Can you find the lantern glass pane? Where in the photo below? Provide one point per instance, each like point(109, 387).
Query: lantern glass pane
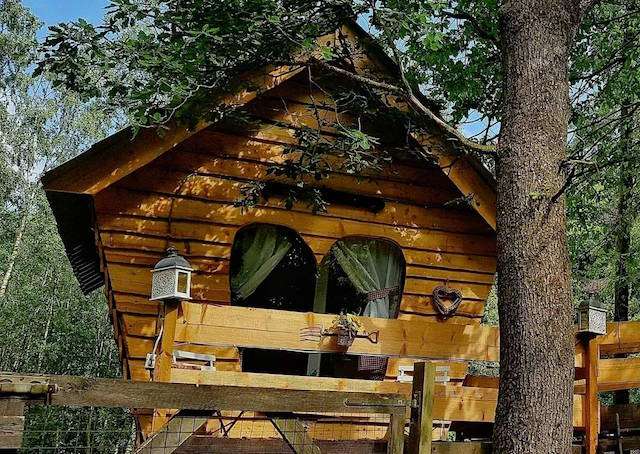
point(183, 282)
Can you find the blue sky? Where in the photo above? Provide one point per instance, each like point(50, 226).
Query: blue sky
point(55, 11)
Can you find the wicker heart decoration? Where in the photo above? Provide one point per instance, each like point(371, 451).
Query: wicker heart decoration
point(446, 300)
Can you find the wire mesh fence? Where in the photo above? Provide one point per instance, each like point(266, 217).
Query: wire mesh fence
point(212, 432)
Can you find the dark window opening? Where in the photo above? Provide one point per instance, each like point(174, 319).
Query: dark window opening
point(272, 268)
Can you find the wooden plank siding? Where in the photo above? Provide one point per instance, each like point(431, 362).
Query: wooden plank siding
point(186, 198)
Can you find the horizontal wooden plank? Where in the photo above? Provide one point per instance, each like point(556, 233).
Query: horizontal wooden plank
point(168, 183)
point(613, 375)
point(215, 287)
point(102, 392)
point(147, 258)
point(137, 347)
point(296, 382)
point(241, 159)
point(621, 337)
point(132, 304)
point(121, 201)
point(422, 305)
point(119, 156)
point(140, 325)
point(451, 403)
point(136, 370)
point(261, 143)
point(270, 329)
point(482, 381)
point(147, 234)
point(619, 373)
point(469, 312)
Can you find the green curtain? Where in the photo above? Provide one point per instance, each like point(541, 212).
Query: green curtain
point(372, 265)
point(262, 248)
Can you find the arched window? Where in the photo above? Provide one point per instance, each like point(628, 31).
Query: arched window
point(272, 268)
point(363, 276)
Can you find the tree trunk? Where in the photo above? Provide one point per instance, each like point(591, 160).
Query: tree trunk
point(17, 243)
point(534, 412)
point(623, 233)
point(45, 337)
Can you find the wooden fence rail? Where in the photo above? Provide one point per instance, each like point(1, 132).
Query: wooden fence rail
point(102, 392)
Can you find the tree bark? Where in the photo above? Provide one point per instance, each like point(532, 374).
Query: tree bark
point(534, 293)
point(17, 243)
point(623, 234)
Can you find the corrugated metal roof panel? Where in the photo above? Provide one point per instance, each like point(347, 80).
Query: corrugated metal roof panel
point(74, 215)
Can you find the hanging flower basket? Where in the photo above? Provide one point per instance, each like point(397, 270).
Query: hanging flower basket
point(346, 336)
point(345, 329)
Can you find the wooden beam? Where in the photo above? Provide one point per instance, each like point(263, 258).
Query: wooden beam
point(162, 370)
point(292, 382)
point(591, 403)
point(464, 175)
point(295, 434)
point(451, 402)
point(281, 330)
point(395, 444)
point(120, 155)
point(164, 359)
point(621, 337)
point(614, 374)
point(103, 392)
point(421, 430)
point(618, 373)
point(12, 411)
point(220, 325)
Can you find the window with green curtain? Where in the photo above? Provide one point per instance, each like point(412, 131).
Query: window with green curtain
point(363, 276)
point(272, 268)
point(257, 251)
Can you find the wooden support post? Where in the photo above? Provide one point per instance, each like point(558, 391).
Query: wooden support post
point(591, 403)
point(162, 371)
point(395, 445)
point(11, 423)
point(163, 362)
point(421, 428)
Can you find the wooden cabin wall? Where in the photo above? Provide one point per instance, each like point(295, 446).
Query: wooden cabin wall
point(186, 198)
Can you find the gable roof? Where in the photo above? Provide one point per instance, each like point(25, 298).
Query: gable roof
point(71, 186)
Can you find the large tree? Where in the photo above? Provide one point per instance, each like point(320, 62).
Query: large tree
point(506, 63)
point(536, 314)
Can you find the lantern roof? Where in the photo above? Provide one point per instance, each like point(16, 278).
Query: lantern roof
point(172, 260)
point(592, 301)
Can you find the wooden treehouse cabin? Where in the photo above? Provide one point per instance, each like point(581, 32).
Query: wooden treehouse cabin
point(414, 240)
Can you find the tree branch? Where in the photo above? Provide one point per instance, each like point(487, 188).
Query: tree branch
point(482, 33)
point(413, 100)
